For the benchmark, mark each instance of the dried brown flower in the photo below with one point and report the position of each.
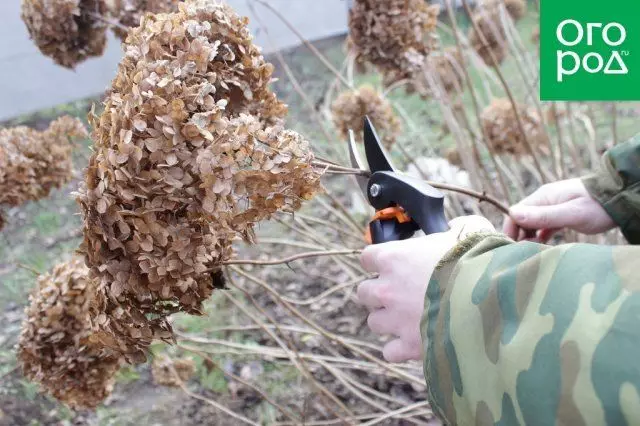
(185, 161)
(453, 156)
(517, 9)
(535, 36)
(446, 69)
(490, 39)
(68, 31)
(128, 13)
(165, 369)
(350, 108)
(56, 347)
(501, 127)
(394, 35)
(33, 163)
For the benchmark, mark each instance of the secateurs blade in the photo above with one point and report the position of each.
(403, 204)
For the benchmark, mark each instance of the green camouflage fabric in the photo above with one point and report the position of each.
(529, 334)
(616, 186)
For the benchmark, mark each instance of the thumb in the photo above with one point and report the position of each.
(539, 217)
(399, 351)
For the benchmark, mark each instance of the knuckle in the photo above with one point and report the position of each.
(382, 294)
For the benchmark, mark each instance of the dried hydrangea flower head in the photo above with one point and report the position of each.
(184, 161)
(517, 9)
(55, 347)
(350, 108)
(395, 36)
(491, 39)
(446, 69)
(502, 130)
(33, 163)
(128, 13)
(535, 36)
(453, 156)
(164, 370)
(68, 31)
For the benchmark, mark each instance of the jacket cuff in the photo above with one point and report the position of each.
(621, 203)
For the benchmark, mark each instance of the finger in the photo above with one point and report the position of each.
(539, 217)
(368, 294)
(510, 228)
(369, 258)
(398, 351)
(381, 322)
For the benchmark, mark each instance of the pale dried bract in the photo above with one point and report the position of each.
(33, 163)
(501, 128)
(68, 31)
(172, 372)
(396, 36)
(350, 108)
(56, 347)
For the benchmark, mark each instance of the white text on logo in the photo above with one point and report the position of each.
(569, 62)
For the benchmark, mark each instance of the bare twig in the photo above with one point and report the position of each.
(292, 258)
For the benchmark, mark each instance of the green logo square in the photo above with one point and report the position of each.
(590, 50)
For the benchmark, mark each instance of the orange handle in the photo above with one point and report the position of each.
(396, 213)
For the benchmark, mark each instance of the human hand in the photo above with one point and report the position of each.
(564, 204)
(396, 298)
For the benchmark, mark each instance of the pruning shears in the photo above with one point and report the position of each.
(404, 205)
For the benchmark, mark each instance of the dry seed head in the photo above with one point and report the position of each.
(494, 40)
(165, 369)
(128, 13)
(517, 9)
(33, 163)
(502, 130)
(68, 31)
(535, 36)
(184, 161)
(453, 157)
(446, 67)
(394, 35)
(350, 108)
(56, 347)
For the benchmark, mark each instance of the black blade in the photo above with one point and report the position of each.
(376, 154)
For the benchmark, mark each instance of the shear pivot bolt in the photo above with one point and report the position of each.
(374, 190)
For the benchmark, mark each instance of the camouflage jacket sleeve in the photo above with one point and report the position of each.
(528, 334)
(616, 186)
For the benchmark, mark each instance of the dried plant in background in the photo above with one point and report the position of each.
(446, 67)
(517, 9)
(165, 369)
(395, 36)
(491, 39)
(129, 12)
(350, 108)
(535, 36)
(453, 156)
(33, 163)
(68, 31)
(56, 347)
(504, 136)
